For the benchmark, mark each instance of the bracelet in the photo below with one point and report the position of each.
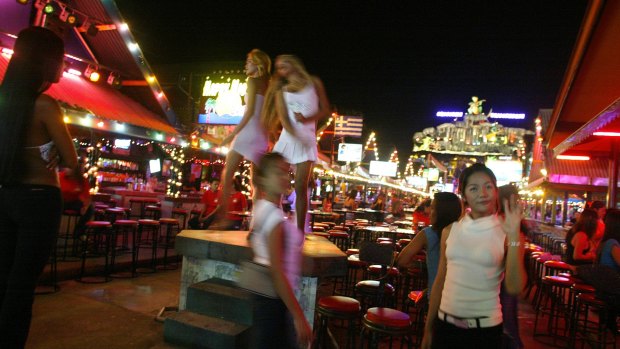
(514, 243)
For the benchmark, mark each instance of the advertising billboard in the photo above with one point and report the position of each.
(222, 103)
(350, 152)
(506, 171)
(383, 168)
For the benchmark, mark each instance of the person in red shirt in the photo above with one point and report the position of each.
(422, 213)
(210, 200)
(238, 203)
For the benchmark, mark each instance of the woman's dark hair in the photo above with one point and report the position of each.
(612, 225)
(38, 56)
(352, 193)
(587, 223)
(266, 162)
(477, 167)
(448, 210)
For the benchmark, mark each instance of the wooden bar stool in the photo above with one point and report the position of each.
(124, 228)
(171, 226)
(181, 215)
(553, 304)
(96, 241)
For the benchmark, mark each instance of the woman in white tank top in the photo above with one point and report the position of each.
(249, 138)
(297, 101)
(477, 253)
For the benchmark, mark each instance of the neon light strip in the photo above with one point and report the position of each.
(507, 116)
(449, 114)
(573, 157)
(607, 134)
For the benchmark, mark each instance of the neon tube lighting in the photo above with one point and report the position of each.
(607, 134)
(507, 116)
(573, 157)
(449, 114)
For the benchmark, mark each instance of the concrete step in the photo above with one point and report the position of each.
(222, 299)
(200, 331)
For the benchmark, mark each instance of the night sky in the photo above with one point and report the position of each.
(394, 62)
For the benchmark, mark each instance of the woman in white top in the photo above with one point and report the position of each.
(477, 253)
(277, 243)
(297, 101)
(249, 138)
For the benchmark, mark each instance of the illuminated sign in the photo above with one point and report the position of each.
(507, 116)
(222, 103)
(506, 171)
(449, 114)
(350, 152)
(383, 168)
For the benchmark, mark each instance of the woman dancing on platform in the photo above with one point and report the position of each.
(249, 138)
(33, 139)
(298, 101)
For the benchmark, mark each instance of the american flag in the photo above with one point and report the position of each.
(348, 126)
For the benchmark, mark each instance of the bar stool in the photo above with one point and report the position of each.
(124, 228)
(575, 290)
(587, 328)
(339, 238)
(180, 214)
(71, 217)
(336, 307)
(388, 322)
(114, 213)
(553, 304)
(152, 212)
(171, 226)
(148, 234)
(419, 301)
(96, 234)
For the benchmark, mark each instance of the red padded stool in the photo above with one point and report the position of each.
(336, 307)
(71, 218)
(369, 292)
(575, 290)
(152, 212)
(148, 235)
(171, 226)
(125, 228)
(589, 328)
(96, 241)
(321, 234)
(181, 215)
(553, 304)
(386, 322)
(339, 238)
(114, 213)
(419, 301)
(352, 251)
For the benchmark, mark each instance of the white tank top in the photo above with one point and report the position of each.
(475, 270)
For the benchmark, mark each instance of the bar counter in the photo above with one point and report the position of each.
(214, 253)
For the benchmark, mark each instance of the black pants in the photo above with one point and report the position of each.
(448, 336)
(29, 222)
(272, 325)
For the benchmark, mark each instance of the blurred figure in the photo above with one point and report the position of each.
(397, 209)
(379, 203)
(249, 138)
(75, 191)
(421, 214)
(349, 202)
(609, 255)
(275, 241)
(33, 140)
(298, 101)
(445, 209)
(581, 248)
(601, 210)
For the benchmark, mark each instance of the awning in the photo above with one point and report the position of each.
(102, 101)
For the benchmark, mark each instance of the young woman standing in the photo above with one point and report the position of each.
(477, 253)
(249, 138)
(298, 101)
(32, 136)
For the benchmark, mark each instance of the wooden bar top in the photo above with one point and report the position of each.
(321, 258)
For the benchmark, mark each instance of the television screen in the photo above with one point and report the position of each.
(350, 152)
(122, 143)
(154, 165)
(383, 168)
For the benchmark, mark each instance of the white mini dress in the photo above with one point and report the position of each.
(301, 147)
(251, 142)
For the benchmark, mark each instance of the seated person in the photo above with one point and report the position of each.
(421, 214)
(580, 247)
(238, 202)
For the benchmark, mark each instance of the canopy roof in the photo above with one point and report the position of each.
(589, 98)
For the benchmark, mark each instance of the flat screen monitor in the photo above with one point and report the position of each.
(383, 168)
(122, 143)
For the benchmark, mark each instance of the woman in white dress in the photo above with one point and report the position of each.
(249, 138)
(297, 100)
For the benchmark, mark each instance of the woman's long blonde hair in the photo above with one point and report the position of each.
(271, 112)
(262, 62)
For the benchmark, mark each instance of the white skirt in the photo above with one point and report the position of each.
(294, 150)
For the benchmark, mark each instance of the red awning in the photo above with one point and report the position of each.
(102, 101)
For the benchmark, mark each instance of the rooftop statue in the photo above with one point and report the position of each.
(475, 106)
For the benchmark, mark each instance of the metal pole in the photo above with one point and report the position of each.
(612, 188)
